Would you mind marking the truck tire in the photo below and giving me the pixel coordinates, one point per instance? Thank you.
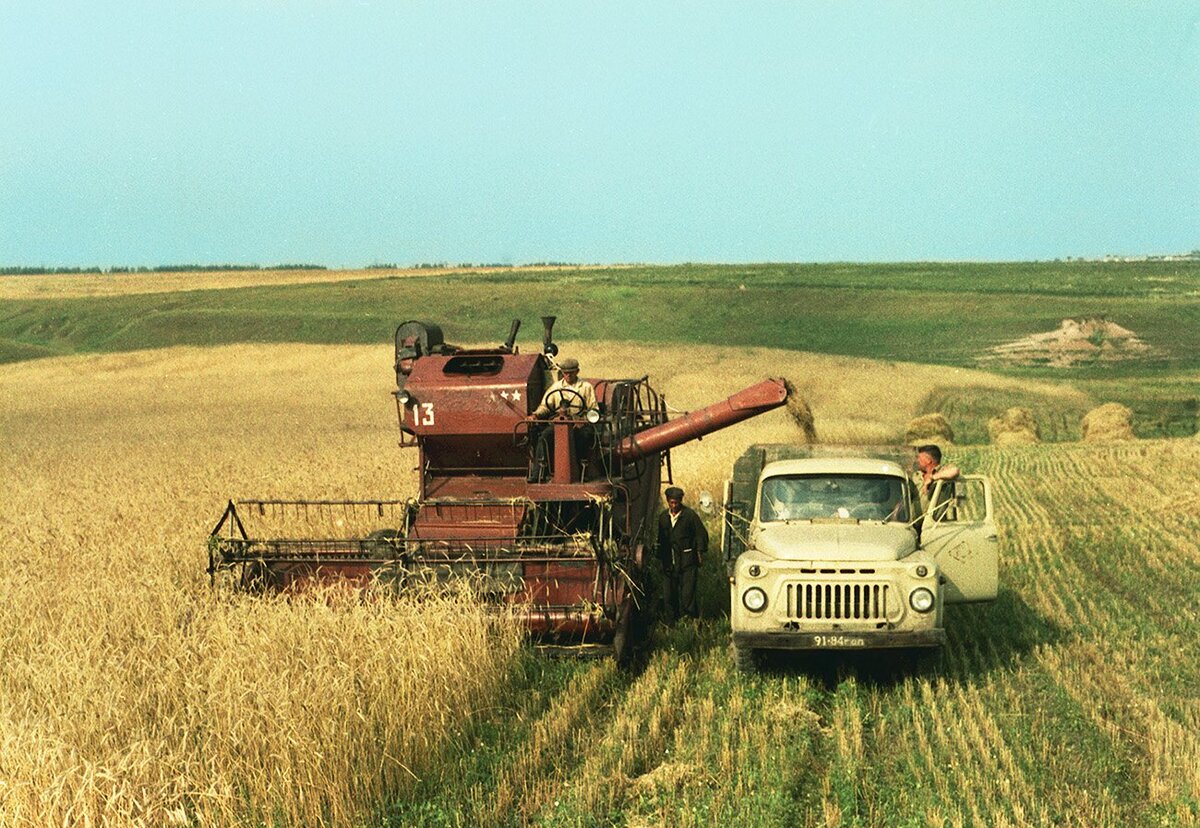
(927, 661)
(745, 659)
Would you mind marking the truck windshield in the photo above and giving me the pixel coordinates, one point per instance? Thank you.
(805, 497)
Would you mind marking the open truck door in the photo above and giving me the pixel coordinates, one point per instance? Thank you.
(733, 526)
(959, 532)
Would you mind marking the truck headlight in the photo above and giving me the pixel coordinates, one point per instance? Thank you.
(592, 416)
(921, 599)
(754, 599)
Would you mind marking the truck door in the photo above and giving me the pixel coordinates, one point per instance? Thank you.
(959, 533)
(735, 520)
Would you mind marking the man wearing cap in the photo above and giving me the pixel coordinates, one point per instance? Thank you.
(682, 542)
(574, 398)
(569, 394)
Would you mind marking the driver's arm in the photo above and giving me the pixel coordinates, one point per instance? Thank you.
(946, 473)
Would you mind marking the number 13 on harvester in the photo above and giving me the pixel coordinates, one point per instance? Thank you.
(422, 413)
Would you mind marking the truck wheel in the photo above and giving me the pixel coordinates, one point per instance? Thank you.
(927, 661)
(744, 658)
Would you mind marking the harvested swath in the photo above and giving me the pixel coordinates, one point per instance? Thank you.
(670, 776)
(929, 428)
(1108, 423)
(801, 413)
(1016, 426)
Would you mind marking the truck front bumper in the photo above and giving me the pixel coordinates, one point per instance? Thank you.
(870, 640)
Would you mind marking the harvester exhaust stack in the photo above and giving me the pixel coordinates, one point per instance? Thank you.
(548, 346)
(512, 335)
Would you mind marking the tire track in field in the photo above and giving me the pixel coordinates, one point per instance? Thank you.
(534, 773)
(920, 743)
(1098, 678)
(644, 717)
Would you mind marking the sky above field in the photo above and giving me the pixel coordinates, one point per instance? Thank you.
(343, 134)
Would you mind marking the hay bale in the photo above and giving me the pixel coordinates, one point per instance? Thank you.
(1016, 426)
(929, 428)
(801, 413)
(1107, 423)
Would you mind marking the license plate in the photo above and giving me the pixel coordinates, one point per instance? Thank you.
(839, 642)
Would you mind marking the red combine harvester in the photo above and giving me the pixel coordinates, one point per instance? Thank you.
(563, 545)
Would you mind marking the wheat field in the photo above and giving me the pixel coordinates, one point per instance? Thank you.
(73, 285)
(132, 694)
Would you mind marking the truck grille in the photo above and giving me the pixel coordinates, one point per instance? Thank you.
(840, 602)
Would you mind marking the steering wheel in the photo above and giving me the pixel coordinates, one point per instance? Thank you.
(565, 402)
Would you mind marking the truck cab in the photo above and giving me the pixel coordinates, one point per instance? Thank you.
(832, 551)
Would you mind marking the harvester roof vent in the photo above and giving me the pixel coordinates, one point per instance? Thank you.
(474, 365)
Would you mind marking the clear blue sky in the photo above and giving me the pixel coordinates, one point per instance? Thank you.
(340, 133)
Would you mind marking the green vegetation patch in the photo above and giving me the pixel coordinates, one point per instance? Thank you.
(943, 314)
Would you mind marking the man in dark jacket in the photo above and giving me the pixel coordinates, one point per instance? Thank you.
(682, 542)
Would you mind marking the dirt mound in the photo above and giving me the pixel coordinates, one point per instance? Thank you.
(1109, 422)
(929, 428)
(1076, 341)
(1016, 426)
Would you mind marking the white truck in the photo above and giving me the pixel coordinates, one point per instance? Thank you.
(831, 549)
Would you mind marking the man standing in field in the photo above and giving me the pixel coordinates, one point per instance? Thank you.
(682, 542)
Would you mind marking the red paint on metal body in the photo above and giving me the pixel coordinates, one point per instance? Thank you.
(757, 399)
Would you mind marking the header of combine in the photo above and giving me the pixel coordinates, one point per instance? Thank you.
(548, 514)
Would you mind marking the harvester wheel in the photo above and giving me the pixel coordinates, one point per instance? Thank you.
(746, 659)
(621, 640)
(255, 577)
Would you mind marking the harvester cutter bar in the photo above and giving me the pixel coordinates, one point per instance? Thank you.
(582, 651)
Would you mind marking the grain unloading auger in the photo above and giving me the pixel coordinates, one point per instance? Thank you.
(563, 544)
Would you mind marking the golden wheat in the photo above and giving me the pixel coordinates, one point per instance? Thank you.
(130, 693)
(74, 285)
